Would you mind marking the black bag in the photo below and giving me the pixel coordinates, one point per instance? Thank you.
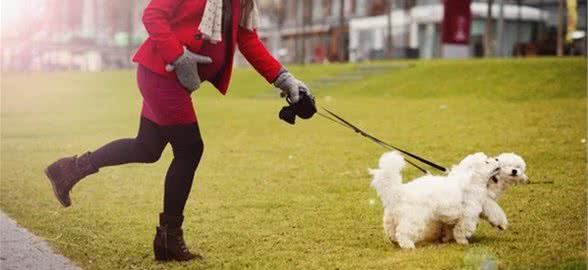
(305, 108)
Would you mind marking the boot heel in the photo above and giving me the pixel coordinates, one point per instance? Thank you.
(169, 244)
(161, 254)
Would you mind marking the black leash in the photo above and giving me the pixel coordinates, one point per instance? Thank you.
(346, 124)
(540, 182)
(384, 146)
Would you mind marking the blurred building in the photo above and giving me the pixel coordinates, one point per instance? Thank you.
(89, 35)
(417, 31)
(303, 31)
(96, 35)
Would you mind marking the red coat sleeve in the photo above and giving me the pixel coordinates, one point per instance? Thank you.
(156, 18)
(257, 55)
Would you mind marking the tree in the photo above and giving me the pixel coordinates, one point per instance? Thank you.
(130, 27)
(488, 37)
(389, 31)
(560, 22)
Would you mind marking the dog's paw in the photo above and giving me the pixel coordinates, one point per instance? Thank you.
(392, 240)
(469, 233)
(502, 225)
(462, 241)
(498, 219)
(407, 245)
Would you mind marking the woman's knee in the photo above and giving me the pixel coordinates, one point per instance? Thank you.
(149, 141)
(191, 150)
(186, 142)
(149, 154)
(152, 157)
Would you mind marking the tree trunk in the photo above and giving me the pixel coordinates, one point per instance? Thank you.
(489, 30)
(130, 29)
(560, 26)
(519, 27)
(306, 28)
(541, 28)
(389, 32)
(342, 32)
(500, 30)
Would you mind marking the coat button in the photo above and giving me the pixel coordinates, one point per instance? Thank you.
(198, 36)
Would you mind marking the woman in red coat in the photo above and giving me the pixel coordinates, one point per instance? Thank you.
(190, 41)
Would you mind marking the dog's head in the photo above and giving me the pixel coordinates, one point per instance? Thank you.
(481, 167)
(512, 169)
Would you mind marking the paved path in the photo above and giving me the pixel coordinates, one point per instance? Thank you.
(20, 249)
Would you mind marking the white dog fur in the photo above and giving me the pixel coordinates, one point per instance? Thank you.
(512, 172)
(434, 207)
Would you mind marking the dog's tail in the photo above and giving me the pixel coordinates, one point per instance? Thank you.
(387, 178)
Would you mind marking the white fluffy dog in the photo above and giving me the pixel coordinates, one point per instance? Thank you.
(512, 172)
(435, 207)
(419, 210)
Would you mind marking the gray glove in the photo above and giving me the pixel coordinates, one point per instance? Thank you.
(186, 67)
(290, 86)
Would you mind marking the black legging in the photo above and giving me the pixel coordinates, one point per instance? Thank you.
(147, 147)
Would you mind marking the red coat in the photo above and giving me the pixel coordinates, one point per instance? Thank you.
(173, 24)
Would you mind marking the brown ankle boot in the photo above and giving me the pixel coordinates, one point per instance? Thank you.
(169, 240)
(66, 172)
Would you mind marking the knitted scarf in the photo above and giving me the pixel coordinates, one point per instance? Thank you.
(211, 25)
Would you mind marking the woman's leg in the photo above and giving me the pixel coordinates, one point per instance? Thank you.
(67, 172)
(188, 147)
(145, 148)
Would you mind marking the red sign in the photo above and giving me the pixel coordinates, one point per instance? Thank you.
(457, 21)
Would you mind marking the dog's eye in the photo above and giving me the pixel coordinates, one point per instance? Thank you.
(496, 159)
(494, 179)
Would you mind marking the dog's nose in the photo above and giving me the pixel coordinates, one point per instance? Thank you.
(514, 172)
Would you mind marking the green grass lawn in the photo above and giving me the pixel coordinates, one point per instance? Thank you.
(269, 195)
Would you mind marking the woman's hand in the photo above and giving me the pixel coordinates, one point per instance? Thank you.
(186, 67)
(290, 86)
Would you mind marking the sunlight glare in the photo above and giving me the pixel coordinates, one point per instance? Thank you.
(12, 12)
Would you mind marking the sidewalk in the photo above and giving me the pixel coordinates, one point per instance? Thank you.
(19, 249)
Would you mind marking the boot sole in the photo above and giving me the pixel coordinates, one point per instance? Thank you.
(52, 180)
(161, 256)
